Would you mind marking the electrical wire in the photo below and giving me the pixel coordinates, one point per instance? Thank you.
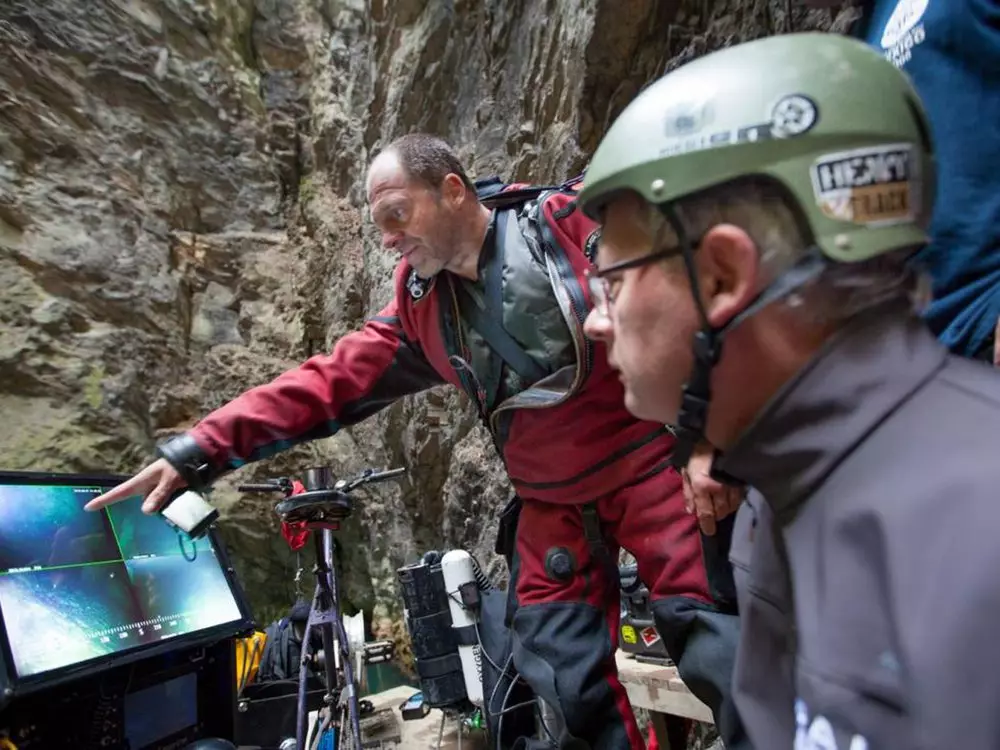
(503, 711)
(493, 694)
(541, 720)
(255, 701)
(194, 546)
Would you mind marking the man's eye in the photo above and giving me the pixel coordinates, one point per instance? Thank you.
(614, 284)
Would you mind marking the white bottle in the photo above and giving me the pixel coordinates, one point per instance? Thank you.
(456, 568)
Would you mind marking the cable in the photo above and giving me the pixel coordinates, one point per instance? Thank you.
(255, 701)
(541, 720)
(493, 694)
(503, 712)
(194, 546)
(482, 650)
(481, 580)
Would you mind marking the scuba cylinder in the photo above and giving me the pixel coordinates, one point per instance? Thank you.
(462, 587)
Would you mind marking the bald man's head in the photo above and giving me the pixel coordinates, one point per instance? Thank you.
(421, 200)
(426, 159)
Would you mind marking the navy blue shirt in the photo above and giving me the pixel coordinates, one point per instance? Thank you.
(951, 51)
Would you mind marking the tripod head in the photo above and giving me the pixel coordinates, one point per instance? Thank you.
(326, 499)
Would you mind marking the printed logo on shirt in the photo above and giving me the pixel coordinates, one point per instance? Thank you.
(871, 187)
(818, 734)
(903, 31)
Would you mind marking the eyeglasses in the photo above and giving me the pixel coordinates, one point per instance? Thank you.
(600, 286)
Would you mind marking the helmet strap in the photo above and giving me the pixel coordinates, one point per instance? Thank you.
(707, 343)
(707, 347)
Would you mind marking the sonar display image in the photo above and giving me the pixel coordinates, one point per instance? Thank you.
(76, 585)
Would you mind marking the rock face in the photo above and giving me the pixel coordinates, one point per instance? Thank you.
(181, 218)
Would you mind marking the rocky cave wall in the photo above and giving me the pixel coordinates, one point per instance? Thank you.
(181, 218)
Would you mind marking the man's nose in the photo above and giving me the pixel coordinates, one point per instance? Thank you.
(598, 326)
(391, 239)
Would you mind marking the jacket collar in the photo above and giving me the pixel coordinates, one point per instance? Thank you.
(861, 375)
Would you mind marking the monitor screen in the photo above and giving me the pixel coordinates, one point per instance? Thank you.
(80, 585)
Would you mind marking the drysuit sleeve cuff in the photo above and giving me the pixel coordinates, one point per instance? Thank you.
(191, 462)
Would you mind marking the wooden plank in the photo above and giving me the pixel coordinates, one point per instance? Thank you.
(657, 688)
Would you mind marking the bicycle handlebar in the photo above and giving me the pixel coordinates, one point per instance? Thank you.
(369, 476)
(262, 487)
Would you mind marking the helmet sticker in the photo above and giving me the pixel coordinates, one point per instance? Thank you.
(686, 118)
(792, 115)
(871, 186)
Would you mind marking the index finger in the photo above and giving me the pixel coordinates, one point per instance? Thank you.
(137, 485)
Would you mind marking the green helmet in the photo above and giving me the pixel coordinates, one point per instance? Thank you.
(824, 114)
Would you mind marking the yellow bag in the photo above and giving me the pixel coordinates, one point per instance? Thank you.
(248, 653)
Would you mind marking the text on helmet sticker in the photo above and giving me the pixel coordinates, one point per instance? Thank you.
(869, 186)
(686, 124)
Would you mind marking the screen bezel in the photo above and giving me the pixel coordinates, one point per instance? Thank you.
(26, 685)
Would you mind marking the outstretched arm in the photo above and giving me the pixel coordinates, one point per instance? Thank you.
(366, 371)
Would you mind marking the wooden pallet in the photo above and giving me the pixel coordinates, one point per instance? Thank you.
(662, 692)
(659, 689)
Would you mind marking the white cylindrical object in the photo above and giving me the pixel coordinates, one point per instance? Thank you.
(456, 567)
(190, 512)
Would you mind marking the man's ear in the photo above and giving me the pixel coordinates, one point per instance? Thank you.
(453, 190)
(728, 268)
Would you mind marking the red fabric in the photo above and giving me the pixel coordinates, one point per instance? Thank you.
(649, 520)
(296, 534)
(300, 400)
(557, 454)
(586, 447)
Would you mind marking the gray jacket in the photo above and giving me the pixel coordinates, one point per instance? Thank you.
(868, 555)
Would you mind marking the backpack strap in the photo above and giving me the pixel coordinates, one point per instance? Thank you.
(599, 551)
(494, 193)
(499, 340)
(488, 321)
